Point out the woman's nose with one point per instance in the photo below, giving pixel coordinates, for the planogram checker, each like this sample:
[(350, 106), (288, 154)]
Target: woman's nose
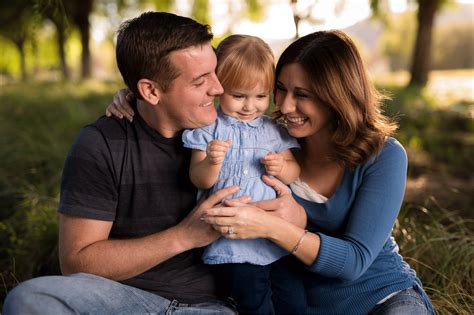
[(287, 104)]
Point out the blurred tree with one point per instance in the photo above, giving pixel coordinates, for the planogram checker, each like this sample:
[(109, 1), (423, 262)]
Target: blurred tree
[(80, 10), (453, 52), (77, 12), (421, 58), (55, 12), (427, 10), (200, 11), (163, 5), (17, 22), (300, 14), (394, 40)]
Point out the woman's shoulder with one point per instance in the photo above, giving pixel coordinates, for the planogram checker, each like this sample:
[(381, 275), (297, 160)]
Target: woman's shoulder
[(392, 154), (393, 147)]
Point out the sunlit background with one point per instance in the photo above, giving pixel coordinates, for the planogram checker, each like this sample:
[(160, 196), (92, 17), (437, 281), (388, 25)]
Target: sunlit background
[(58, 72)]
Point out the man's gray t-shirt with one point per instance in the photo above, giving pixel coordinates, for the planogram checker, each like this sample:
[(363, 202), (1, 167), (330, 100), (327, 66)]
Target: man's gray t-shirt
[(129, 174)]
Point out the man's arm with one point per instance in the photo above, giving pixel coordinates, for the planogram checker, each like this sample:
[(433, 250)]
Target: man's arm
[(84, 245)]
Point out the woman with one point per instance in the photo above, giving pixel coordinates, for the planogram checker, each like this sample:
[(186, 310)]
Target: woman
[(351, 186)]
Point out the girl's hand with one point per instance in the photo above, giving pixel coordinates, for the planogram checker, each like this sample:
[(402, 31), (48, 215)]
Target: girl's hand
[(120, 106), (274, 163), (216, 150)]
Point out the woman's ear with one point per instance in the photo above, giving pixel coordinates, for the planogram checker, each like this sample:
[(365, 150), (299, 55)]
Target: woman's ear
[(149, 91)]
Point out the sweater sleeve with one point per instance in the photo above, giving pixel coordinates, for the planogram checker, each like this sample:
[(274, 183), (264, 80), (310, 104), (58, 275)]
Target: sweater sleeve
[(370, 218)]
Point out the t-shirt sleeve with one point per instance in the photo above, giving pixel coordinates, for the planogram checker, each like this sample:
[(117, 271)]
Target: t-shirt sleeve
[(88, 185), (198, 138)]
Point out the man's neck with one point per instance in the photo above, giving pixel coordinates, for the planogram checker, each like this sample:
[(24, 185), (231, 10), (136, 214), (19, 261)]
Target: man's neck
[(152, 117)]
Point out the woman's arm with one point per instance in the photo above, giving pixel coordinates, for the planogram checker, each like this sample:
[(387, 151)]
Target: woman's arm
[(370, 218), (347, 255), (120, 106), (281, 220)]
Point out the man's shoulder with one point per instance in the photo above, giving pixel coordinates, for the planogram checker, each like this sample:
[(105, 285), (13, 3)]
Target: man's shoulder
[(110, 127)]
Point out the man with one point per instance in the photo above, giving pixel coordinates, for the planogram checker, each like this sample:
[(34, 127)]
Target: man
[(128, 239)]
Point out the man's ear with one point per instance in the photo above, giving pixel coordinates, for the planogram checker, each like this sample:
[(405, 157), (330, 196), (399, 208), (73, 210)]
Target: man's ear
[(149, 90)]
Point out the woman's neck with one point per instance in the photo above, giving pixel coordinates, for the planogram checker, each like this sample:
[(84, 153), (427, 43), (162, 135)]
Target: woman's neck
[(318, 170), (316, 150)]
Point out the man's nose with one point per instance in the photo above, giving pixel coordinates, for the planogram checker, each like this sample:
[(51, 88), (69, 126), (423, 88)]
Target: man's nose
[(216, 87)]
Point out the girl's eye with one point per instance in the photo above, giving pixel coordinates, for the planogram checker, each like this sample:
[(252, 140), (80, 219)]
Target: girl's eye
[(238, 96), (261, 96), (301, 95)]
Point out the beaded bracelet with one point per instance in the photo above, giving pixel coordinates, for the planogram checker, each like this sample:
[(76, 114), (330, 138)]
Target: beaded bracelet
[(299, 242)]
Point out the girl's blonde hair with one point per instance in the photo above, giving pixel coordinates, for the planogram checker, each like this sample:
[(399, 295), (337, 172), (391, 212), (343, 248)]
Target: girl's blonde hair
[(244, 61)]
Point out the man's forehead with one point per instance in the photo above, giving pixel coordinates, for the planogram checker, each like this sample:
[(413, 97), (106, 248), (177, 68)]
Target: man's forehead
[(194, 59), (195, 51)]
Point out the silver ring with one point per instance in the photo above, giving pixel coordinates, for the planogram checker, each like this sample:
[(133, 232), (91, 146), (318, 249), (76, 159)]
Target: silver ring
[(230, 229)]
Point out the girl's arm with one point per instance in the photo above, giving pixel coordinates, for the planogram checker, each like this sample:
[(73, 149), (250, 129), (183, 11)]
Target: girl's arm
[(282, 165), (205, 166)]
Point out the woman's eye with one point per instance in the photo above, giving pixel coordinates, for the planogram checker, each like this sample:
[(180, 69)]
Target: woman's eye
[(280, 88), (199, 83), (301, 95)]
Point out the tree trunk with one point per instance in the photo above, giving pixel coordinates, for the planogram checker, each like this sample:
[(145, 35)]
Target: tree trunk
[(61, 38), (86, 53), (296, 18), (20, 44), (422, 51), (81, 19)]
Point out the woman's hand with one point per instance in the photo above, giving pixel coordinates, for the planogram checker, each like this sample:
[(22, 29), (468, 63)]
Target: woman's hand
[(284, 206), (120, 106), (237, 220)]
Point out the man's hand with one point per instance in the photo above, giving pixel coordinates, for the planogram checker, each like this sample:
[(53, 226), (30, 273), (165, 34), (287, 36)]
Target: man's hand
[(197, 233)]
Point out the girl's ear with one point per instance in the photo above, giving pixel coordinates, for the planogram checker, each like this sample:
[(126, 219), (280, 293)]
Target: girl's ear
[(149, 90)]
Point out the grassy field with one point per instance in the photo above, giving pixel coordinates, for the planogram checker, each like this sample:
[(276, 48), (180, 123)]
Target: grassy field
[(435, 229)]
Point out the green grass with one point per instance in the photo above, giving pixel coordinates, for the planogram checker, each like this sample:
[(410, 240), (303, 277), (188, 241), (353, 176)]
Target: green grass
[(435, 229), (38, 123)]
